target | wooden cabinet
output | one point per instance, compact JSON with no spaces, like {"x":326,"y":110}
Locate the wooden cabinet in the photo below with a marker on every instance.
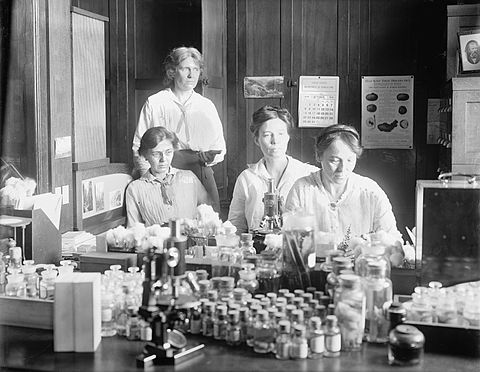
{"x":466,"y":125}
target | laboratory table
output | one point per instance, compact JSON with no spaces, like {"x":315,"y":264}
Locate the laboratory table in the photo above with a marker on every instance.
{"x":32,"y":350}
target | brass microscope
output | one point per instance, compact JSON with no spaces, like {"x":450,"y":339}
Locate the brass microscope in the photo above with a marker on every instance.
{"x":168,"y":297}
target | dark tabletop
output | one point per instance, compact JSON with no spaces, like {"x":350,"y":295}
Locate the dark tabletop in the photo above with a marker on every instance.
{"x":32,"y":350}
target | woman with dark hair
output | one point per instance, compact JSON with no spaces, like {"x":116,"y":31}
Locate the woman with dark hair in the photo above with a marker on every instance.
{"x":192,"y":117}
{"x":344,"y":202}
{"x":271,"y":128}
{"x":162,"y":192}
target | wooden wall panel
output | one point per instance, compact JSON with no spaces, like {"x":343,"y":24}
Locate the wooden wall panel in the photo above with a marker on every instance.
{"x":89,"y":88}
{"x":60,"y":56}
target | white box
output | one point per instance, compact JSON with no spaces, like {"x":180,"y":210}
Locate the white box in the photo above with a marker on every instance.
{"x":63,"y":314}
{"x":87,"y":304}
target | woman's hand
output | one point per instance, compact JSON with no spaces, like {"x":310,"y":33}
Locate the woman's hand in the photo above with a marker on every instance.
{"x":207,"y":157}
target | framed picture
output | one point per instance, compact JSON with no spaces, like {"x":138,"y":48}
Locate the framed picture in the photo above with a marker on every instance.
{"x":469,"y":50}
{"x":263,"y":87}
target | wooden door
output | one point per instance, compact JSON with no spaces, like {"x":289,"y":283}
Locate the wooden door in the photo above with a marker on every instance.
{"x":214,"y":40}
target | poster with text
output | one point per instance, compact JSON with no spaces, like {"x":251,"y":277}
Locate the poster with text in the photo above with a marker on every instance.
{"x":318,"y":101}
{"x":387,"y":112}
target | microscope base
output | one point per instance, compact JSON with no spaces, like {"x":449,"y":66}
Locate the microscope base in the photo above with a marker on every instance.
{"x":157,"y":355}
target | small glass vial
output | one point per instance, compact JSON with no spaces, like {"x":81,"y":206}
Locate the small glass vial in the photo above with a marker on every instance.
{"x":317,"y":338}
{"x":204,"y":287}
{"x":196,"y":321}
{"x":254,"y":309}
{"x":283,"y":340}
{"x":220,"y":323}
{"x":132,"y":328}
{"x":263,"y":334}
{"x":233,"y":336}
{"x":240,"y":296}
{"x":243,"y":323}
{"x":299,"y":345}
{"x":405,"y":345}
{"x":333,"y":338}
{"x":15,"y":286}
{"x":207,"y":321}
{"x":145,"y":331}
{"x":108,"y":323}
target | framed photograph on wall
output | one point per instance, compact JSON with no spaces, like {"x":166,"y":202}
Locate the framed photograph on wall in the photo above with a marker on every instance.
{"x":469,"y":50}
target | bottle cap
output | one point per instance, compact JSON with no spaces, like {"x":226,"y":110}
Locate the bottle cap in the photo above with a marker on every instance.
{"x":297,"y":315}
{"x":316,"y":322}
{"x":299,"y":329}
{"x":298,"y":292}
{"x":331,"y":320}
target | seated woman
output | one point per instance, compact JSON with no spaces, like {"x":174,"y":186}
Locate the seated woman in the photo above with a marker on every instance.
{"x":344,"y":202}
{"x":163,"y":192}
{"x":271,"y":127}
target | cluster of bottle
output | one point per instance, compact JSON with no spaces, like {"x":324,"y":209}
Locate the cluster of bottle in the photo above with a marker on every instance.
{"x":26,"y":279}
{"x":121,"y":294}
{"x":456,"y":305}
{"x":292,"y":325}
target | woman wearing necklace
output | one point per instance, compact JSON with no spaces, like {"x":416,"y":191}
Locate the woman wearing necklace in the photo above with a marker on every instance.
{"x":271,"y":127}
{"x":163,"y":192}
{"x":344,"y":202}
{"x":192,"y":117}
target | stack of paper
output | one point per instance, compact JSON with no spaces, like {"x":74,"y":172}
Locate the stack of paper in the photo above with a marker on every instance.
{"x":72,"y":240}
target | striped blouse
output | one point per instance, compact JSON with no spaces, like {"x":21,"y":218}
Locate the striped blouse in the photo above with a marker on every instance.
{"x":147,"y":203}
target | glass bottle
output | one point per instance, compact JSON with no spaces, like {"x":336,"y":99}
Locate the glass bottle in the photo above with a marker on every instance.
{"x":339,"y":263}
{"x":333,"y":338}
{"x":233,"y":336}
{"x":195,"y":321}
{"x":396,"y":315}
{"x":246,"y":245}
{"x":254,"y":309}
{"x":263,"y":333}
{"x":379,"y":295}
{"x":268,"y":272}
{"x":227,"y":242}
{"x":316,"y":339}
{"x":15,"y":285}
{"x":47,"y":284}
{"x":248,"y":279}
{"x":132,"y":329}
{"x":204,"y":287}
{"x":207,"y":321}
{"x":243,"y":323}
{"x":220,"y":323}
{"x":227,"y":284}
{"x":297,"y":318}
{"x":31,"y":278}
{"x":283,"y":340}
{"x":350,"y":311}
{"x":108,"y":323}
{"x":405,"y":345}
{"x":326,"y":268}
{"x":299,"y":345}
{"x":145,"y":331}
{"x":372,"y":251}
{"x":419,"y":309}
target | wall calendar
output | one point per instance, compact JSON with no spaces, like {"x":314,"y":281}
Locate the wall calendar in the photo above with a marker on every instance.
{"x":318,"y":101}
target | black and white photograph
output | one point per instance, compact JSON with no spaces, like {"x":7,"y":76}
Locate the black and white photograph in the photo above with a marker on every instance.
{"x":240,"y":185}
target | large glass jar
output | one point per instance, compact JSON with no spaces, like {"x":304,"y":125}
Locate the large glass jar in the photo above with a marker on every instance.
{"x":339,"y":264}
{"x":419,"y":309}
{"x":350,"y":311}
{"x":248,"y":279}
{"x":15,"y":286}
{"x":371,"y":252}
{"x":268,"y":273}
{"x":379,"y":294}
{"x":47,"y":284}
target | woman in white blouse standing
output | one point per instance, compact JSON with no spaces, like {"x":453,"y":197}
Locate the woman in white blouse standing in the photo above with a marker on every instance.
{"x":192,"y":117}
{"x":344,"y":202}
{"x":271,"y":127}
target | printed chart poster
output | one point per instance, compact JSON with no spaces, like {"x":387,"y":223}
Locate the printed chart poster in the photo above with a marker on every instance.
{"x":387,"y":112}
{"x":318,"y":101}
